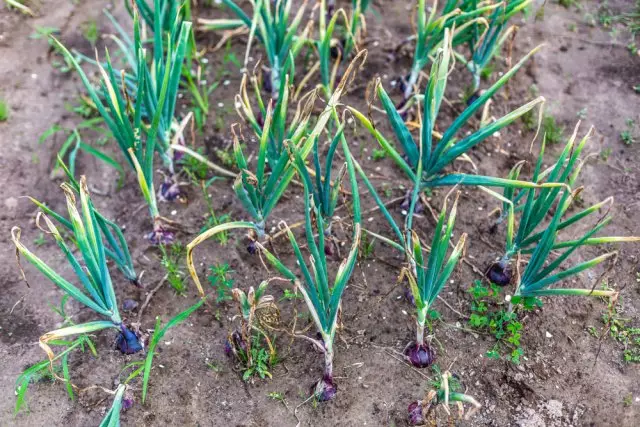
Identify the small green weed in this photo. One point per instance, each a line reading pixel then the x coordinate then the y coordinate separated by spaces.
pixel 4 110
pixel 219 279
pixel 378 154
pixel 261 362
pixel 582 114
pixel 367 246
pixel 627 135
pixel 171 258
pixel 289 296
pixel 488 314
pixel 621 332
pixel 194 168
pixel 90 32
pixel 553 130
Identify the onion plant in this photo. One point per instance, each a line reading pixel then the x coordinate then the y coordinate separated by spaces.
pixel 276 29
pixel 455 16
pixel 541 273
pixel 122 111
pixel 112 417
pixel 259 192
pixel 325 192
pixel 445 391
pixel 244 344
pixel 487 38
pixel 323 298
pixel 147 76
pixel 116 248
pixel 42 369
pixel 533 205
pixel 358 10
pixel 325 45
pixel 277 126
pixel 434 157
pixel 98 294
pixel 427 276
pixel 163 12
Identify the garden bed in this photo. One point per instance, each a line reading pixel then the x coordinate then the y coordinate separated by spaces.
pixel 566 376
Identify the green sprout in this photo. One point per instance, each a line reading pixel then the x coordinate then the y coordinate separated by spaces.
pixel 219 280
pixel 98 294
pixel 554 132
pixel 171 262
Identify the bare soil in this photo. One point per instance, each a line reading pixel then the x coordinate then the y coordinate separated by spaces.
pixel 560 381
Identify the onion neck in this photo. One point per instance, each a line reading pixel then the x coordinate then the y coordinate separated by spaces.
pixel 420 322
pixel 413 78
pixel 328 358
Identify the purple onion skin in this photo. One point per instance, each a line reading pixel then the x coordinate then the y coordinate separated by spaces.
pixel 500 274
pixel 328 249
pixel 127 402
pixel 415 414
pixel 252 248
pixel 419 355
pixel 325 389
pixel 127 341
pixel 406 203
pixel 409 296
pixel 235 344
pixel 169 191
pixel 473 98
pixel 160 236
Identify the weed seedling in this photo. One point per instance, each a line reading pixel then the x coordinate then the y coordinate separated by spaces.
pixel 4 110
pixel 171 259
pixel 553 131
pixel 489 314
pixel 219 279
pixel 627 135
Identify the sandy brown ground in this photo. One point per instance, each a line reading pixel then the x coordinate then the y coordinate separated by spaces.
pixel 559 382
